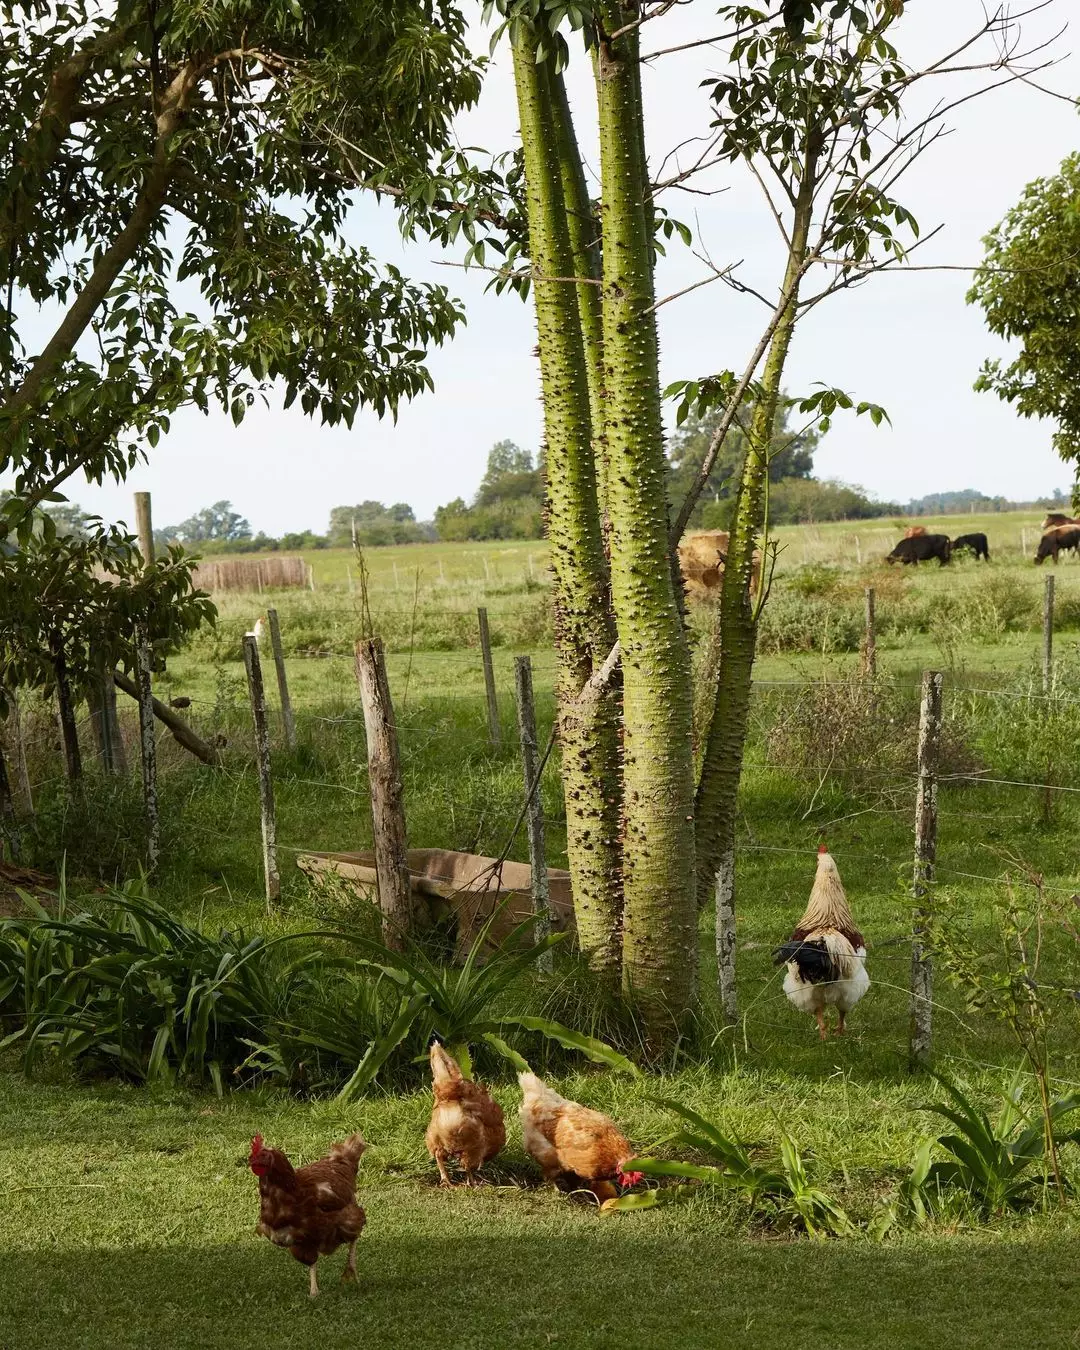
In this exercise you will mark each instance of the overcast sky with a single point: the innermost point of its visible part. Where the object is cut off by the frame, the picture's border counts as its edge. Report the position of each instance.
(906, 340)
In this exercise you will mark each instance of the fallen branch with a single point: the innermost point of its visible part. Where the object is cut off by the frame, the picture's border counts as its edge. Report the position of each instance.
(181, 731)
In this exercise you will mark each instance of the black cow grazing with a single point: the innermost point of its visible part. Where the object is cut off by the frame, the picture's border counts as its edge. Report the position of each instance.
(922, 548)
(976, 542)
(1058, 540)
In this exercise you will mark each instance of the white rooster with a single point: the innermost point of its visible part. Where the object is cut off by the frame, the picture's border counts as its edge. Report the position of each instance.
(826, 956)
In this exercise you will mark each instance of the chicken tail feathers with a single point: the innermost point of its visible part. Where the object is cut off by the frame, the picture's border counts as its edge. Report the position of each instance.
(812, 957)
(349, 1150)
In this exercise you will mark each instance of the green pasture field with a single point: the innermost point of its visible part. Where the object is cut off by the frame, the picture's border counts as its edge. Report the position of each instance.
(127, 1217)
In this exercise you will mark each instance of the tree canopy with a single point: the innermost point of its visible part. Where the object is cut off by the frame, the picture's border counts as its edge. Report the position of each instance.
(173, 189)
(212, 523)
(1029, 291)
(508, 504)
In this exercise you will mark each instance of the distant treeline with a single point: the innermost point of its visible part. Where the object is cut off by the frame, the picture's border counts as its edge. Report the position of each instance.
(957, 503)
(509, 503)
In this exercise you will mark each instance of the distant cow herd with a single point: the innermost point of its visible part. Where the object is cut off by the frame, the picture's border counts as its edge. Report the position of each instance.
(702, 554)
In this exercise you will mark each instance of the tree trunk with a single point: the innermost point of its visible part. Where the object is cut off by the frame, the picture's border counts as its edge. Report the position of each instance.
(69, 733)
(584, 631)
(718, 789)
(584, 231)
(659, 913)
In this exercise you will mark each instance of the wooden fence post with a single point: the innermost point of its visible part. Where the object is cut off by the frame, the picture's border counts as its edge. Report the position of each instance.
(148, 747)
(267, 818)
(144, 526)
(870, 657)
(922, 974)
(1048, 634)
(287, 719)
(725, 937)
(534, 811)
(489, 678)
(387, 792)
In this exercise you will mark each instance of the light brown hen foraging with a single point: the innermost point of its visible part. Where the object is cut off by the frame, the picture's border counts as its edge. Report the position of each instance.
(466, 1121)
(572, 1141)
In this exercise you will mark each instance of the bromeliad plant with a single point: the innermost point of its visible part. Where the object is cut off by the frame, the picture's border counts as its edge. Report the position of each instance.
(464, 1006)
(998, 1163)
(134, 991)
(781, 1192)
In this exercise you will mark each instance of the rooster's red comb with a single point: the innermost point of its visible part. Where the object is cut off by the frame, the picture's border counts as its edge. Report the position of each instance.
(823, 848)
(256, 1145)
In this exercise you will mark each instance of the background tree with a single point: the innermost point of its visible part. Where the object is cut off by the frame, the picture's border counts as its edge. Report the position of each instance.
(373, 524)
(790, 455)
(509, 503)
(212, 524)
(1029, 291)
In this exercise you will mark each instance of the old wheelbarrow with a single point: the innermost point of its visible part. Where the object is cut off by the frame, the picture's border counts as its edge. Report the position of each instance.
(466, 887)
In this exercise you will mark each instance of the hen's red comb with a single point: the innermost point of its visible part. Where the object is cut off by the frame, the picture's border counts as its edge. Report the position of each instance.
(823, 848)
(256, 1145)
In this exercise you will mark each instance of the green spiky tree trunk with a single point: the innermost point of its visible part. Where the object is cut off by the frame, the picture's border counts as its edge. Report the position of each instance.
(584, 629)
(718, 787)
(659, 911)
(585, 247)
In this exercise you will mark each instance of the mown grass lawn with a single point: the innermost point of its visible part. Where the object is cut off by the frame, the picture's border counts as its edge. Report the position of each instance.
(127, 1215)
(128, 1221)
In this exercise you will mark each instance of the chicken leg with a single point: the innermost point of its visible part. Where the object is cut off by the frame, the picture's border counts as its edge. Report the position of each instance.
(841, 1015)
(444, 1175)
(313, 1288)
(820, 1015)
(348, 1275)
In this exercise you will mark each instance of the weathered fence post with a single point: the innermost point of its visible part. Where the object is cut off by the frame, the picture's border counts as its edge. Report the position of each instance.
(922, 974)
(148, 746)
(287, 719)
(489, 678)
(1048, 634)
(387, 791)
(1023, 542)
(534, 811)
(725, 937)
(267, 818)
(65, 707)
(870, 656)
(145, 528)
(858, 552)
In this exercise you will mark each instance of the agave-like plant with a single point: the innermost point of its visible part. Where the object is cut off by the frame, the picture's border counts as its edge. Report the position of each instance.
(782, 1190)
(998, 1163)
(461, 1005)
(136, 990)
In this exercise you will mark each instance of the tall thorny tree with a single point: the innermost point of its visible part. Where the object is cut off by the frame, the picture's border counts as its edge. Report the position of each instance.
(811, 102)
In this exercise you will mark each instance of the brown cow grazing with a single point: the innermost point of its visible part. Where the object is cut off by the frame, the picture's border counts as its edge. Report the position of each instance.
(1058, 540)
(976, 542)
(1055, 518)
(914, 531)
(701, 561)
(921, 548)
